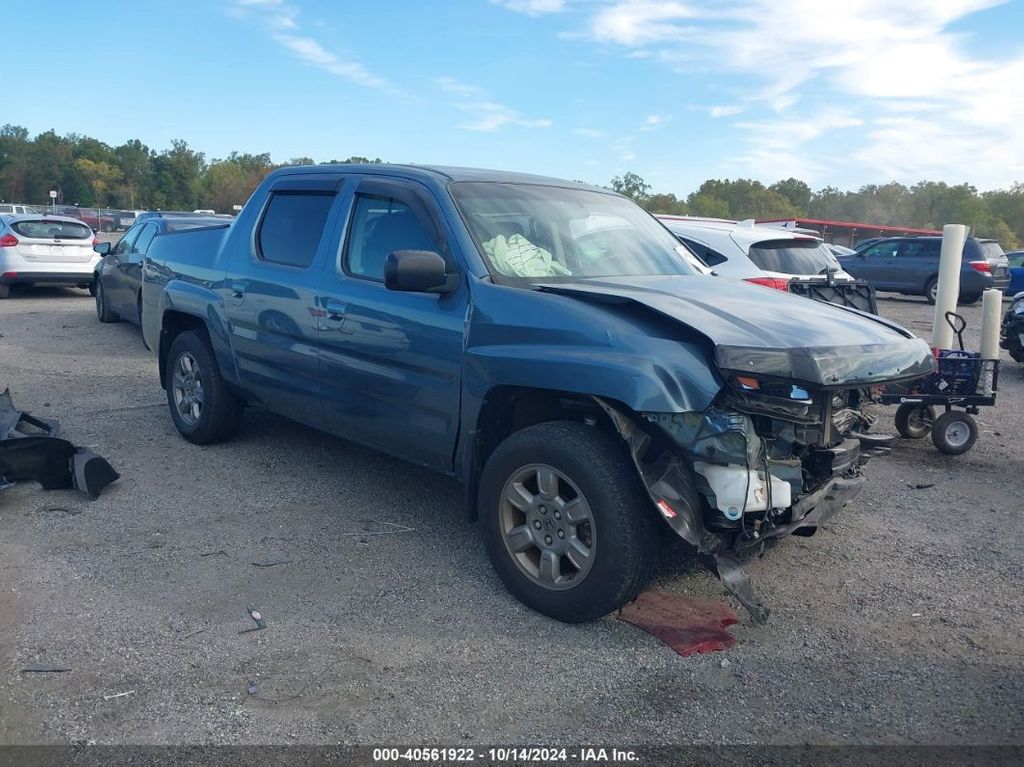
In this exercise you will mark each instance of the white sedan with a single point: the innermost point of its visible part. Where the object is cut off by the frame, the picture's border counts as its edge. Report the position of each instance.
(46, 250)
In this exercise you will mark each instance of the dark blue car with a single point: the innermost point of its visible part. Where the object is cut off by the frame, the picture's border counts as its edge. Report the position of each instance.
(910, 265)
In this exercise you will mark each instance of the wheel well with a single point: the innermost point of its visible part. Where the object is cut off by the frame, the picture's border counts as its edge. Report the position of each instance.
(174, 324)
(508, 409)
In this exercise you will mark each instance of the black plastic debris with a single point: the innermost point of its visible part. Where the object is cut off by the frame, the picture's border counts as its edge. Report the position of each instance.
(31, 450)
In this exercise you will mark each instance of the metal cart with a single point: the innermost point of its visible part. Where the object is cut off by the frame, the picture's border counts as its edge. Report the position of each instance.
(962, 379)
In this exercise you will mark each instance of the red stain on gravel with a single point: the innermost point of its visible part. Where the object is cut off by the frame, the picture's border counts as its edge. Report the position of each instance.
(688, 625)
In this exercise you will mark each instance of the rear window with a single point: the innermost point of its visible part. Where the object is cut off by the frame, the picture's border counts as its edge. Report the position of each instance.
(49, 230)
(292, 227)
(180, 226)
(793, 256)
(991, 249)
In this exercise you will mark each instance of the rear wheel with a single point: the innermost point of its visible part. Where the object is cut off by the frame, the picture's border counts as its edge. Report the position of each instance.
(103, 312)
(954, 433)
(931, 290)
(202, 406)
(914, 421)
(566, 522)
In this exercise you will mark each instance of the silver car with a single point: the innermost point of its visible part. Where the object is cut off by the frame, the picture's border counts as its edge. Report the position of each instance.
(45, 250)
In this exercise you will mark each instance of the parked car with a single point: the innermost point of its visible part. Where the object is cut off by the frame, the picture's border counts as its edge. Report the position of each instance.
(541, 340)
(840, 250)
(772, 257)
(17, 209)
(118, 276)
(910, 265)
(45, 250)
(1015, 263)
(1011, 335)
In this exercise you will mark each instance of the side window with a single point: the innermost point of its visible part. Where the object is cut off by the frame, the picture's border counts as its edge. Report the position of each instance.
(124, 245)
(380, 226)
(881, 250)
(145, 238)
(1016, 259)
(912, 249)
(292, 226)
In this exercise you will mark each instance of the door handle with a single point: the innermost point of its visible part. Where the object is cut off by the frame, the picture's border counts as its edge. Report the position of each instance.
(336, 309)
(238, 291)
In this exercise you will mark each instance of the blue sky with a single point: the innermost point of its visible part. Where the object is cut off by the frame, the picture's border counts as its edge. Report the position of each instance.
(837, 93)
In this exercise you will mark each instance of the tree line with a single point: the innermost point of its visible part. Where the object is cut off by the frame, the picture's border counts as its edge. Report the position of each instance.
(997, 214)
(90, 173)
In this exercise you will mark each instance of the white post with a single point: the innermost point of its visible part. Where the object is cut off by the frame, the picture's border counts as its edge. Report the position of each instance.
(991, 309)
(950, 263)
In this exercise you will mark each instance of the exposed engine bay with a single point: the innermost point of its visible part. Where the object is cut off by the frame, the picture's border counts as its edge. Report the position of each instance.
(768, 458)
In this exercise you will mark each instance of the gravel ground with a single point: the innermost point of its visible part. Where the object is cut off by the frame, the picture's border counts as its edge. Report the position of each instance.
(900, 623)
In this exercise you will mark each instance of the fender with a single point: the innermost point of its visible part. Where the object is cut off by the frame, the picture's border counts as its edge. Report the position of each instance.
(205, 304)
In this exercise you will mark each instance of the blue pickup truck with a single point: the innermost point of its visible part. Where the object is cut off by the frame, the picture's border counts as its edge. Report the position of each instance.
(550, 344)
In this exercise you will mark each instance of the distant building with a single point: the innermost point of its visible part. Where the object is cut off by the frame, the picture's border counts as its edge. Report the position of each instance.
(847, 233)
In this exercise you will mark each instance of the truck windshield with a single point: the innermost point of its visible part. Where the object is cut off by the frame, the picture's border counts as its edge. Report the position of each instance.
(545, 233)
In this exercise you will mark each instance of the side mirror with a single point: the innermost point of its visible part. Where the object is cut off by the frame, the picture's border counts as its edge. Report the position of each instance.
(103, 248)
(418, 271)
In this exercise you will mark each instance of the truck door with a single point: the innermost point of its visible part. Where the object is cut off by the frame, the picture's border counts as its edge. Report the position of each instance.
(269, 295)
(392, 361)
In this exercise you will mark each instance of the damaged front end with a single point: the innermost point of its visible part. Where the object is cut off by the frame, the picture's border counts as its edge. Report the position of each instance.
(768, 458)
(31, 450)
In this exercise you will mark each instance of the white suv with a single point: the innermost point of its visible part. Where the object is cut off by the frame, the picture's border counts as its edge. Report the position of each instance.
(772, 257)
(52, 250)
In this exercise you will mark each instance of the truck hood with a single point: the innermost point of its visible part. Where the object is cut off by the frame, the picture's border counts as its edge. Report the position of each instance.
(759, 330)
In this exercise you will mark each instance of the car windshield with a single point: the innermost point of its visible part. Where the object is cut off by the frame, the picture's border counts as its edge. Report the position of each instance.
(44, 229)
(545, 233)
(793, 256)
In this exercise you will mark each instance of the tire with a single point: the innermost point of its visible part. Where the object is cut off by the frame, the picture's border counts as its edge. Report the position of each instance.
(203, 408)
(914, 421)
(5, 291)
(618, 527)
(954, 433)
(92, 287)
(931, 289)
(103, 312)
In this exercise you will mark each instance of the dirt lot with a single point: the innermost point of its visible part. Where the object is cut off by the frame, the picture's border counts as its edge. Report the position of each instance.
(901, 623)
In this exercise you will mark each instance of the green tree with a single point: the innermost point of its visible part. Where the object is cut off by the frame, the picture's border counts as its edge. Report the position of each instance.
(135, 161)
(177, 177)
(796, 192)
(631, 185)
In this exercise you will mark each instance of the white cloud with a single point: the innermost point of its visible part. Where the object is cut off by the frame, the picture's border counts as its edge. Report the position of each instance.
(725, 111)
(532, 7)
(932, 108)
(281, 20)
(486, 114)
(589, 132)
(654, 121)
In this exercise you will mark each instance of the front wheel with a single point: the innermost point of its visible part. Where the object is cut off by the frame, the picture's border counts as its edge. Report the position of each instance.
(914, 421)
(931, 290)
(202, 406)
(103, 312)
(954, 433)
(566, 522)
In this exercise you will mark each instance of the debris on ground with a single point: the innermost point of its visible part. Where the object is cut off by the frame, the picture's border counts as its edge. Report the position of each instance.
(258, 617)
(273, 563)
(689, 625)
(118, 695)
(31, 450)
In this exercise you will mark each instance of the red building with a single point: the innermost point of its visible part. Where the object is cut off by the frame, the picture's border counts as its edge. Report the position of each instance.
(847, 233)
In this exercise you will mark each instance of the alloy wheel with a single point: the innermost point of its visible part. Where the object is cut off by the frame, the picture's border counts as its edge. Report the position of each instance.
(547, 526)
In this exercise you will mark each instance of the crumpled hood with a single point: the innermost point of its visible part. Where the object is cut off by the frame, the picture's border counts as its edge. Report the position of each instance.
(760, 330)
